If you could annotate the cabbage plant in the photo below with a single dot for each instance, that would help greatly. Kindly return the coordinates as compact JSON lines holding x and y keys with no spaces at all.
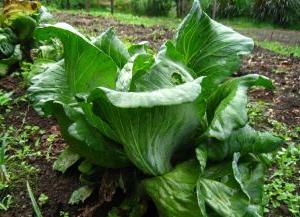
{"x":177,"y":117}
{"x":18,"y":21}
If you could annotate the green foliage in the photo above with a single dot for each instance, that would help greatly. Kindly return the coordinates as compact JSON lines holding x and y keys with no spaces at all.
{"x":151,"y":7}
{"x":5,"y":98}
{"x":10,"y":52}
{"x":280,"y":12}
{"x":284,"y":12}
{"x":234,"y":8}
{"x":80,"y":195}
{"x":43,"y":199}
{"x":17,"y":149}
{"x":283,"y":49}
{"x":16,"y":32}
{"x":282,"y":187}
{"x":6,"y":202}
{"x":125,"y":107}
{"x":66,"y":159}
{"x":35,"y":206}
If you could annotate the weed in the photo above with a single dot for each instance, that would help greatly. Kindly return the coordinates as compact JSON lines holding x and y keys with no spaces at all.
{"x":64,"y":214}
{"x":281,"y":187}
{"x":6,"y":202}
{"x":51,"y":138}
{"x":35,"y":206}
{"x":5,"y":98}
{"x":256,"y":111}
{"x":43,"y":199}
{"x":260,"y":118}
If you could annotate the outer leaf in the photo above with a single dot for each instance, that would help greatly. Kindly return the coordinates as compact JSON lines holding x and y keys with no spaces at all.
{"x":13,"y":9}
{"x":173,"y":193}
{"x":208,"y":47}
{"x":232,"y":189}
{"x":65,"y":160}
{"x":7,"y":42}
{"x":24,"y":27}
{"x":110,"y":155}
{"x":51,"y":93}
{"x":245,"y":140}
{"x":109,"y":43}
{"x":226,"y":107}
{"x":13,"y":59}
{"x":51,"y":86}
{"x":135,"y":117}
{"x":86,"y":66}
{"x":77,"y":75}
{"x":80,"y":195}
{"x":224,"y":200}
{"x":86,"y":141}
{"x":250,"y":177}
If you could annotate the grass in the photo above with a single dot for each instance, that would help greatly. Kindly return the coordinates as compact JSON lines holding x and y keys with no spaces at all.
{"x":246,"y":23}
{"x":172,"y":21}
{"x":280,"y":48}
{"x":128,"y":18}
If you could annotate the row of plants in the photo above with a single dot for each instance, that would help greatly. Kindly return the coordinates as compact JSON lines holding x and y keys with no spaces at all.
{"x":175,"y":123}
{"x":285,"y":12}
{"x":280,"y":12}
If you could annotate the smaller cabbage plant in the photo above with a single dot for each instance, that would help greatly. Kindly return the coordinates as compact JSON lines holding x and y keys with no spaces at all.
{"x":18,"y":22}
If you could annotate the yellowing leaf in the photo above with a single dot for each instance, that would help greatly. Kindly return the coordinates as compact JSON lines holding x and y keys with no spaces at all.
{"x":13,"y":8}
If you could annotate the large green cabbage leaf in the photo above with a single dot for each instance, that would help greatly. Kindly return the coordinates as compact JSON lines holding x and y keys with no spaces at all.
{"x":210,"y":48}
{"x":57,"y":87}
{"x":150,"y":125}
{"x":112,"y":46}
{"x":226,"y":106}
{"x":87,"y":67}
{"x":174,"y":193}
{"x":232,"y":188}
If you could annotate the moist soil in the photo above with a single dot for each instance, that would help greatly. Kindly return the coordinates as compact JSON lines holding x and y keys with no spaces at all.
{"x":284,"y":102}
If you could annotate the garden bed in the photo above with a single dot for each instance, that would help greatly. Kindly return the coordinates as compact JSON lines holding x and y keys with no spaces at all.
{"x":283,"y":106}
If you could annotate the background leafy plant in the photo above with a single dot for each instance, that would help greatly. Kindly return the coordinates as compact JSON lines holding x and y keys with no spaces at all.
{"x":284,"y":12}
{"x":151,"y":7}
{"x":19,"y":19}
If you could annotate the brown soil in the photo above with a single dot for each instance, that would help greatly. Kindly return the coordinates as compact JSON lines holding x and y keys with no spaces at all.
{"x":283,"y":36}
{"x":285,"y":102}
{"x":47,"y":181}
{"x":95,"y":25}
{"x":285,"y":73}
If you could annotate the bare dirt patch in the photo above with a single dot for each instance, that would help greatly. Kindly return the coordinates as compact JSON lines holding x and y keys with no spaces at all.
{"x":284,"y":36}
